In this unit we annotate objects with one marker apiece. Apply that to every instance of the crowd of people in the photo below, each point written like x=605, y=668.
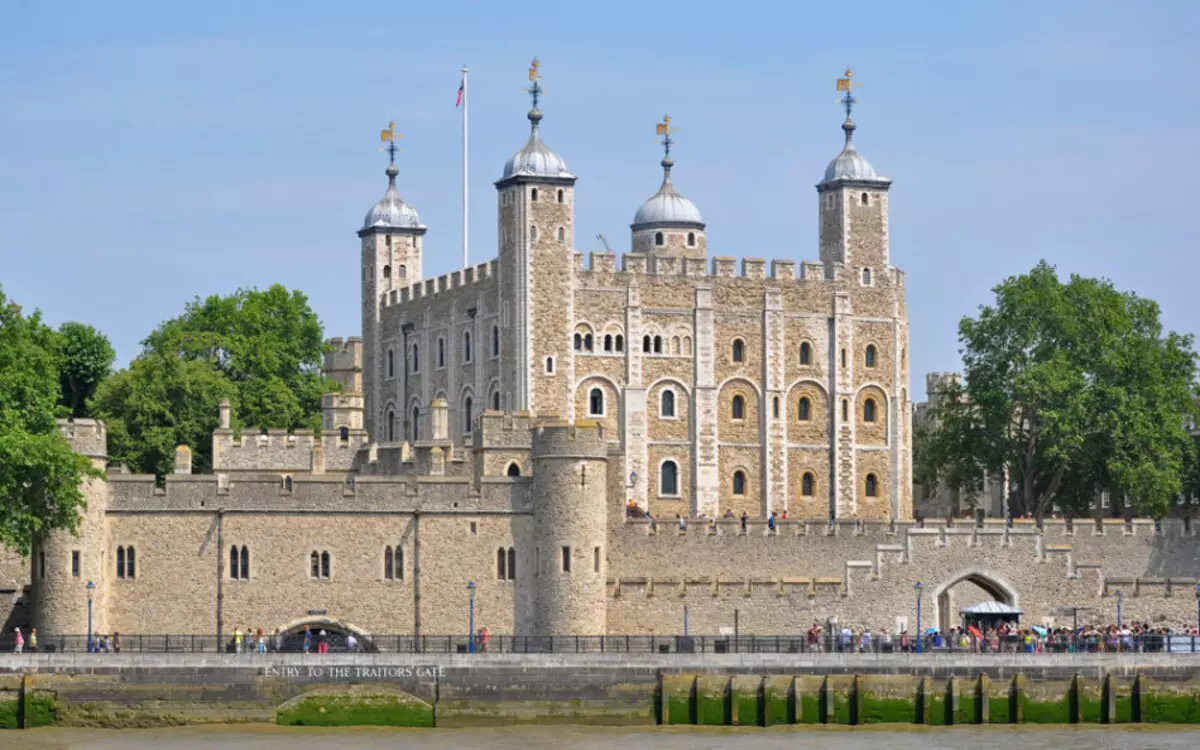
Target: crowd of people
x=1006, y=638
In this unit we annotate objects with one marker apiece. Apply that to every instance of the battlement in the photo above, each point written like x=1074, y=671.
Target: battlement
x=498, y=429
x=465, y=277
x=86, y=436
x=584, y=436
x=934, y=381
x=277, y=450
x=718, y=267
x=344, y=354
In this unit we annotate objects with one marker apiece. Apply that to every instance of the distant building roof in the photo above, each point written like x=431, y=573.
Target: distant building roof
x=991, y=608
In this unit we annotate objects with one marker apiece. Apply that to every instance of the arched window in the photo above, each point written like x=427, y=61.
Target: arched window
x=467, y=404
x=739, y=407
x=804, y=409
x=391, y=425
x=658, y=238
x=130, y=562
x=234, y=560
x=562, y=235
x=315, y=565
x=416, y=358
x=287, y=484
x=502, y=564
x=691, y=241
x=866, y=277
x=739, y=350
x=533, y=232
x=389, y=572
x=344, y=434
x=845, y=410
x=608, y=342
x=646, y=344
x=869, y=410
x=387, y=272
x=533, y=195
x=843, y=358
x=775, y=407
x=675, y=345
x=658, y=344
x=806, y=484
x=666, y=407
x=120, y=562
x=403, y=272
x=866, y=199
x=561, y=196
x=620, y=343
x=579, y=342
x=496, y=400
x=324, y=564
x=869, y=358
x=872, y=488
x=739, y=482
x=467, y=351
x=495, y=341
x=416, y=416
x=588, y=342
x=514, y=470
x=687, y=345
x=512, y=557
x=399, y=563
x=391, y=363
x=245, y=563
x=596, y=403
x=441, y=352
x=805, y=353
x=549, y=365
x=668, y=480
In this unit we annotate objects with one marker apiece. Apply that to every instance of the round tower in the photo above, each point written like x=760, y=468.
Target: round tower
x=64, y=563
x=570, y=468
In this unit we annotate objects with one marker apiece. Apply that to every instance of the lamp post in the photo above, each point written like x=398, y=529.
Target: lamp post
x=471, y=616
x=1119, y=596
x=920, y=644
x=685, y=614
x=1198, y=609
x=91, y=588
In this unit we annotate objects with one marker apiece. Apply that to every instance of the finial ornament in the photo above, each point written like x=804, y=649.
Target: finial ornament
x=535, y=91
x=664, y=129
x=847, y=85
x=389, y=136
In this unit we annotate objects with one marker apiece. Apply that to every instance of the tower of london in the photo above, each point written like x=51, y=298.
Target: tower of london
x=502, y=432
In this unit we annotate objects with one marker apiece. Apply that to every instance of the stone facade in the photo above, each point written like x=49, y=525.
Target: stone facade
x=494, y=423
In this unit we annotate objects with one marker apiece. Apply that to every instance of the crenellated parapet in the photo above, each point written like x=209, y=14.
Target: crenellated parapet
x=449, y=282
x=719, y=267
x=86, y=436
x=278, y=450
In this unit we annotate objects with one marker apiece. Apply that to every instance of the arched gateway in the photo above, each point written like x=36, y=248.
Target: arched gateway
x=335, y=631
x=946, y=603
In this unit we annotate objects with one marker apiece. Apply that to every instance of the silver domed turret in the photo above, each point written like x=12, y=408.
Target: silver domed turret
x=667, y=207
x=536, y=159
x=391, y=212
x=849, y=164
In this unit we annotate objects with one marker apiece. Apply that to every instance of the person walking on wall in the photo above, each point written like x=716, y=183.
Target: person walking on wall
x=238, y=637
x=20, y=645
x=33, y=640
x=484, y=637
x=322, y=642
x=307, y=640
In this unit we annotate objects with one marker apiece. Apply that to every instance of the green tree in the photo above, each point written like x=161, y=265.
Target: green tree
x=87, y=359
x=40, y=475
x=259, y=349
x=1072, y=388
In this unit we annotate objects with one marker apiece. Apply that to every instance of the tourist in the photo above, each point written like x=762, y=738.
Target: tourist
x=33, y=640
x=484, y=637
x=653, y=524
x=262, y=642
x=864, y=641
x=681, y=521
x=237, y=640
x=905, y=641
x=322, y=642
x=745, y=520
x=307, y=639
x=116, y=642
x=278, y=641
x=771, y=522
x=885, y=641
x=20, y=645
x=351, y=643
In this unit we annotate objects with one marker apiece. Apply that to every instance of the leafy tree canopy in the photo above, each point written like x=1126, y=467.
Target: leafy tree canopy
x=259, y=349
x=40, y=475
x=1073, y=388
x=87, y=359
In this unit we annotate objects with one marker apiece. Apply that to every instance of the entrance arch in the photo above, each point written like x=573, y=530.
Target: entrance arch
x=335, y=630
x=945, y=608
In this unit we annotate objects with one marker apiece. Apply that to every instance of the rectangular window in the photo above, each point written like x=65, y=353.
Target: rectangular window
x=566, y=561
x=75, y=563
x=474, y=527
x=596, y=560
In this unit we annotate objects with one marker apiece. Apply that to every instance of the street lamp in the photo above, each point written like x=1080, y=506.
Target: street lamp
x=919, y=643
x=471, y=616
x=91, y=588
x=1197, y=610
x=1119, y=597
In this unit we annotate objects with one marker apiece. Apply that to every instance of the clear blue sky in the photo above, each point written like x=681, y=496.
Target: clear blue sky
x=151, y=152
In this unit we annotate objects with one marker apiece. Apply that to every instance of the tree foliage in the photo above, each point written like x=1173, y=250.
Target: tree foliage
x=87, y=359
x=40, y=475
x=259, y=349
x=1073, y=388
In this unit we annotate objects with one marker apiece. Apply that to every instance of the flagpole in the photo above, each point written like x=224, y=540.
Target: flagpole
x=465, y=102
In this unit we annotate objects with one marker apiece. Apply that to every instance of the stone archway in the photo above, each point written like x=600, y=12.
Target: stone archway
x=335, y=630
x=945, y=605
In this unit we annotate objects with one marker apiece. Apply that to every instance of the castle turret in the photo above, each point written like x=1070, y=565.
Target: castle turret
x=570, y=494
x=391, y=236
x=344, y=409
x=537, y=262
x=667, y=223
x=65, y=564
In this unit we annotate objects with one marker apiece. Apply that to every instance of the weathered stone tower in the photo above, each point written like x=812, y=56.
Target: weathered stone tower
x=537, y=273
x=63, y=564
x=570, y=531
x=392, y=236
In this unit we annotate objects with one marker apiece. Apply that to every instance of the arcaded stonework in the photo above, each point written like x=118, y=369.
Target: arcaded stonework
x=494, y=423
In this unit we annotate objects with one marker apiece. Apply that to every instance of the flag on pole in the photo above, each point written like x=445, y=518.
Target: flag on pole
x=458, y=101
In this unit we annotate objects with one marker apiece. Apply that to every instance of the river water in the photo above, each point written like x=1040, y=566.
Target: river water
x=584, y=738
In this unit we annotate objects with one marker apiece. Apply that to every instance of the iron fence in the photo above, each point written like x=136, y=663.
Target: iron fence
x=617, y=644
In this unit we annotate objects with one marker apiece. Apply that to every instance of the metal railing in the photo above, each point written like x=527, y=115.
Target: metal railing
x=617, y=644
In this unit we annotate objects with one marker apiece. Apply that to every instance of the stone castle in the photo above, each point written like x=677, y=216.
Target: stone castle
x=495, y=424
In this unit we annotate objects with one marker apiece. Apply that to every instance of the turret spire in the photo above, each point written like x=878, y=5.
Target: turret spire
x=535, y=92
x=664, y=129
x=848, y=101
x=389, y=135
